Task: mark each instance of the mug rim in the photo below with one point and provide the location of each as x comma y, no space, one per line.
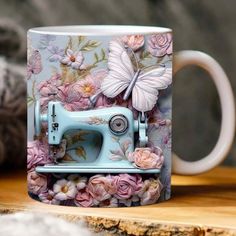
99,30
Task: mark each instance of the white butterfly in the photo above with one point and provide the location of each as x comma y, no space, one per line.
144,85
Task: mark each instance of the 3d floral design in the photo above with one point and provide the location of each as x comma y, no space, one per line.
74,59
79,181
134,42
47,87
84,199
64,190
111,202
73,71
49,198
37,183
87,87
160,45
127,185
71,99
101,187
150,191
37,154
56,53
146,158
46,40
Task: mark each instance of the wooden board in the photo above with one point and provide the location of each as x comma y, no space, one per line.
200,205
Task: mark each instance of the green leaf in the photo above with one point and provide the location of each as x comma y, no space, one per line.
145,55
30,101
96,57
90,45
70,44
103,54
81,39
81,152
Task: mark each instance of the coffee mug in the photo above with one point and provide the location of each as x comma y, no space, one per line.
99,115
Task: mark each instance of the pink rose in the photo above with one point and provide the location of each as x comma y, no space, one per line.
84,199
37,154
71,99
150,191
101,187
145,158
127,185
37,183
47,87
160,44
133,41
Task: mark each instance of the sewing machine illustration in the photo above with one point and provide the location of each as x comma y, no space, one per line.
112,123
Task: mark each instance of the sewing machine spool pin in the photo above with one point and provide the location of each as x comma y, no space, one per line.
113,123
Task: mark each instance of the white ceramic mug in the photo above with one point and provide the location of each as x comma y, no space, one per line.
73,70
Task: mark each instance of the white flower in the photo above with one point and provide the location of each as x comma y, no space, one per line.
64,190
79,181
73,59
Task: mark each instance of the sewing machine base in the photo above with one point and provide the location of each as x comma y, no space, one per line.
72,168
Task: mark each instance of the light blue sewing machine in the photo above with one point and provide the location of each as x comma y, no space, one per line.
114,123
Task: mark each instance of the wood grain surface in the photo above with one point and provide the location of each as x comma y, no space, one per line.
200,205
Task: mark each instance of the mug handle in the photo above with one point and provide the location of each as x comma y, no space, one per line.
226,137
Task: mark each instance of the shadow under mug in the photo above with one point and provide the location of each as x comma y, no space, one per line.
99,115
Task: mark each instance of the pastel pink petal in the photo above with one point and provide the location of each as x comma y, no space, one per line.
57,188
61,196
75,65
69,52
66,60
81,185
79,57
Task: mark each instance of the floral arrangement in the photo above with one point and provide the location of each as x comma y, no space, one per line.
73,81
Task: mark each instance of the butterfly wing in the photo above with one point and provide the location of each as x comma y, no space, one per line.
34,65
120,68
146,90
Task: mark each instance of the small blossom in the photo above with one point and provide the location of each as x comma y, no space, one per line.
101,187
56,53
64,190
84,199
49,198
127,185
73,59
37,183
150,191
160,45
134,42
145,158
87,86
79,181
46,40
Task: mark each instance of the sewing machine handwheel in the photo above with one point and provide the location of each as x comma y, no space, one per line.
37,118
118,124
